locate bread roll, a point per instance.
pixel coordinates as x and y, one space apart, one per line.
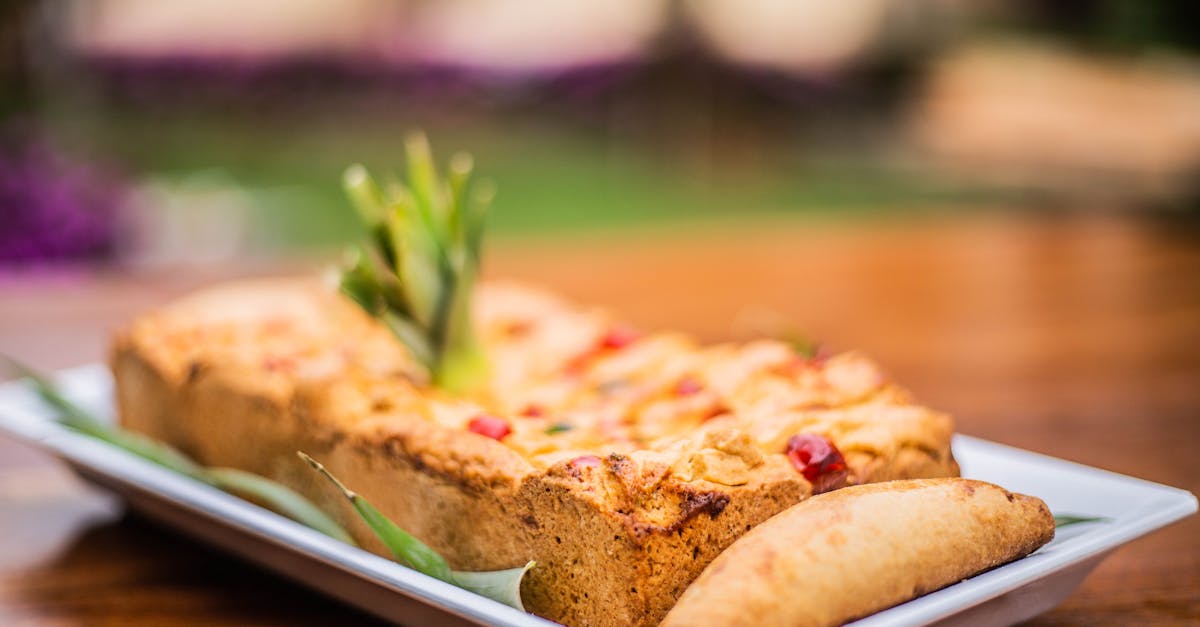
855 551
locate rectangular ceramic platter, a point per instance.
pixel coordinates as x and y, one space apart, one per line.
1003 596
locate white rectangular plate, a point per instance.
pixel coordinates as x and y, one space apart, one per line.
1003 596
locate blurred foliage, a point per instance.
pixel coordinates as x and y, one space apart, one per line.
683 137
1120 26
553 175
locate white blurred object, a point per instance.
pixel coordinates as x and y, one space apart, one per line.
531 34
790 35
224 28
812 37
506 35
196 221
1050 118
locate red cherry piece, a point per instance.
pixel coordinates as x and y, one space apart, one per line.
585 461
576 465
688 386
818 460
618 338
533 411
490 426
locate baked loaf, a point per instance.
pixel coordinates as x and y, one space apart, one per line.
850 553
621 463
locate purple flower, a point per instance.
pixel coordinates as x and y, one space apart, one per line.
53 209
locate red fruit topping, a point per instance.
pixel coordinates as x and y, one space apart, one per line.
585 461
819 460
576 466
490 426
533 411
618 338
615 340
688 386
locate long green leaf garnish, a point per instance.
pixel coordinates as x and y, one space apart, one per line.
74 417
267 493
404 546
500 585
418 271
1063 520
278 498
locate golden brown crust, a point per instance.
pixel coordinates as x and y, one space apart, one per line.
245 375
852 552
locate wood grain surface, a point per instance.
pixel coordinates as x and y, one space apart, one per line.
1075 335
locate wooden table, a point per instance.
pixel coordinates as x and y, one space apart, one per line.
1073 335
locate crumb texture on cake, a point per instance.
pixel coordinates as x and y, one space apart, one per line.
632 459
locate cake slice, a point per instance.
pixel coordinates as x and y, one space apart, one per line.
622 463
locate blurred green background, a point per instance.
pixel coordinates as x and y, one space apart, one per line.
203 118
552 178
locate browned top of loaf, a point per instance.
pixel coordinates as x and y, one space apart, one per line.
564 378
